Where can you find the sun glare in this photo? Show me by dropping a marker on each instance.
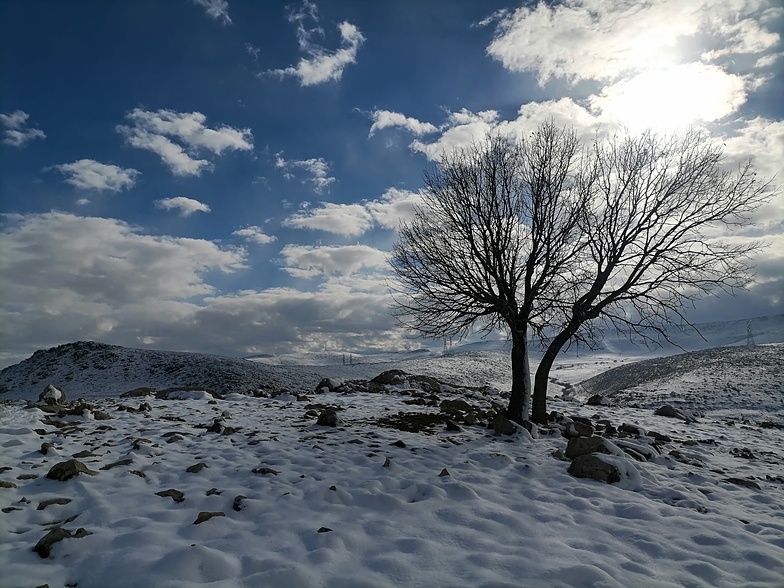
(672, 98)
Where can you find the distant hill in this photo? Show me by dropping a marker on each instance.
(89, 369)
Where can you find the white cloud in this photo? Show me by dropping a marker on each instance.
(216, 9)
(349, 220)
(88, 174)
(187, 206)
(383, 119)
(320, 65)
(306, 261)
(316, 170)
(597, 40)
(16, 132)
(254, 234)
(461, 129)
(178, 136)
(394, 206)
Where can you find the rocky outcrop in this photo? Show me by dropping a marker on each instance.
(592, 466)
(68, 469)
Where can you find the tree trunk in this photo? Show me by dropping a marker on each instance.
(520, 398)
(539, 408)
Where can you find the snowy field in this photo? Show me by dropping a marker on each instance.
(365, 504)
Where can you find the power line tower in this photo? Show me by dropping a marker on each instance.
(749, 335)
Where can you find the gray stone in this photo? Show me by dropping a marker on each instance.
(578, 429)
(328, 418)
(175, 495)
(206, 516)
(66, 470)
(237, 505)
(503, 426)
(593, 467)
(596, 400)
(196, 468)
(44, 545)
(52, 395)
(578, 446)
(675, 413)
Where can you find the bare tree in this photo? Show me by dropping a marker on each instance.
(491, 245)
(655, 212)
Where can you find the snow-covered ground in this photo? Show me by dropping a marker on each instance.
(366, 504)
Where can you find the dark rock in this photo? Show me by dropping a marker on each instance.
(329, 384)
(44, 503)
(27, 476)
(596, 400)
(503, 426)
(196, 468)
(324, 530)
(121, 462)
(399, 443)
(675, 413)
(52, 395)
(593, 467)
(44, 546)
(744, 482)
(81, 454)
(390, 377)
(387, 463)
(206, 516)
(452, 426)
(237, 504)
(743, 452)
(578, 446)
(456, 406)
(628, 429)
(45, 447)
(9, 485)
(214, 492)
(137, 473)
(578, 429)
(99, 415)
(328, 418)
(66, 470)
(658, 437)
(175, 495)
(264, 471)
(443, 473)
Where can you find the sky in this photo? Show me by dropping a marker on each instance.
(227, 176)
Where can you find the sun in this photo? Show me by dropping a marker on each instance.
(671, 98)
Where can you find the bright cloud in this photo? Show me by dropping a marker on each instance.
(88, 174)
(393, 207)
(176, 137)
(383, 119)
(305, 261)
(316, 171)
(16, 131)
(320, 65)
(186, 206)
(254, 234)
(216, 9)
(349, 220)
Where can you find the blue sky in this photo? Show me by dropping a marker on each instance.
(227, 176)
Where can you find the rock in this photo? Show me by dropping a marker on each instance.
(596, 400)
(214, 492)
(9, 485)
(390, 377)
(631, 429)
(237, 505)
(328, 418)
(328, 385)
(675, 413)
(593, 467)
(443, 473)
(66, 470)
(456, 406)
(80, 455)
(44, 503)
(175, 495)
(503, 426)
(44, 545)
(196, 468)
(206, 516)
(46, 446)
(744, 482)
(452, 425)
(52, 395)
(399, 443)
(658, 437)
(121, 462)
(743, 452)
(578, 429)
(387, 463)
(324, 530)
(265, 471)
(578, 446)
(559, 454)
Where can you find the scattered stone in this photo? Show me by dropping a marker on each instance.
(452, 426)
(121, 462)
(456, 406)
(357, 442)
(214, 492)
(743, 452)
(503, 426)
(559, 454)
(265, 471)
(206, 516)
(443, 473)
(45, 447)
(44, 503)
(66, 470)
(82, 454)
(44, 546)
(174, 439)
(578, 446)
(328, 385)
(596, 400)
(328, 418)
(658, 437)
(387, 463)
(196, 468)
(578, 429)
(237, 505)
(4, 484)
(743, 482)
(399, 443)
(675, 413)
(27, 476)
(52, 395)
(324, 530)
(593, 467)
(137, 473)
(175, 495)
(8, 509)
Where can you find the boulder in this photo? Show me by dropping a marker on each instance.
(328, 418)
(578, 429)
(503, 426)
(206, 516)
(328, 385)
(675, 413)
(596, 400)
(578, 446)
(592, 466)
(390, 377)
(52, 395)
(66, 470)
